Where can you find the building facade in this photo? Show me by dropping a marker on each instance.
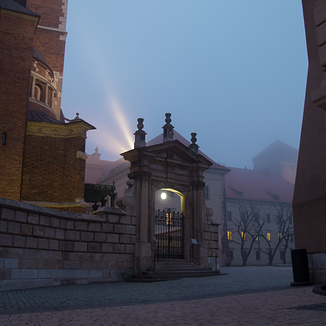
(309, 201)
(184, 193)
(259, 208)
(42, 153)
(259, 218)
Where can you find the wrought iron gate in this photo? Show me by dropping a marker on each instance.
(169, 234)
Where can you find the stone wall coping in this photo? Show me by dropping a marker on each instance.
(110, 210)
(25, 207)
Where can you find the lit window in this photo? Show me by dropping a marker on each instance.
(269, 236)
(280, 235)
(244, 235)
(229, 235)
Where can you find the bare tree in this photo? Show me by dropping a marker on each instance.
(248, 228)
(281, 238)
(285, 224)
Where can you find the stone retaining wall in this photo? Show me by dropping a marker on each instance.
(43, 247)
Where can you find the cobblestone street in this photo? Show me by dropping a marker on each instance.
(250, 295)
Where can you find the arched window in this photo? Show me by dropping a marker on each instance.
(50, 96)
(38, 92)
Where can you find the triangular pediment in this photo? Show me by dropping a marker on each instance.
(175, 151)
(171, 160)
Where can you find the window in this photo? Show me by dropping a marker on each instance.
(231, 254)
(206, 193)
(257, 255)
(268, 218)
(244, 235)
(269, 236)
(37, 92)
(256, 217)
(229, 215)
(50, 96)
(280, 235)
(281, 254)
(230, 235)
(243, 216)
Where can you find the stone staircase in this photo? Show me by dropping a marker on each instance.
(173, 269)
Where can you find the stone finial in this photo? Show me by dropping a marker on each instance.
(168, 128)
(140, 134)
(140, 124)
(96, 154)
(193, 146)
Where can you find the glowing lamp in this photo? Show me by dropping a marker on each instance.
(163, 195)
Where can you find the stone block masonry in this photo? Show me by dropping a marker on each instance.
(45, 247)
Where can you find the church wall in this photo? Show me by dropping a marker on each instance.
(50, 39)
(16, 39)
(53, 172)
(45, 247)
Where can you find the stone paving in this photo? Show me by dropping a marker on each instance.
(246, 295)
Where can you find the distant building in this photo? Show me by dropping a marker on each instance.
(259, 217)
(259, 208)
(42, 159)
(278, 159)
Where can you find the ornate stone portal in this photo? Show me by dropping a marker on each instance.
(169, 165)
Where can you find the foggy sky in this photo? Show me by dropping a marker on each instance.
(234, 72)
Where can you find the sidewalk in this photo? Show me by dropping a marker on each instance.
(251, 295)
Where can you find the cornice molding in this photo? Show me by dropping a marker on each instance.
(78, 203)
(52, 29)
(68, 130)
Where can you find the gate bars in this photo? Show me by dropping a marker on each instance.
(169, 234)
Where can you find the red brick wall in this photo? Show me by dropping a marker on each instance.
(51, 43)
(52, 172)
(16, 39)
(41, 108)
(50, 11)
(48, 41)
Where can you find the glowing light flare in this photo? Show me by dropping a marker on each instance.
(106, 141)
(122, 121)
(163, 195)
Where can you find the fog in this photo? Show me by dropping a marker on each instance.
(234, 72)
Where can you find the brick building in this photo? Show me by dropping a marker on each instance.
(42, 155)
(309, 200)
